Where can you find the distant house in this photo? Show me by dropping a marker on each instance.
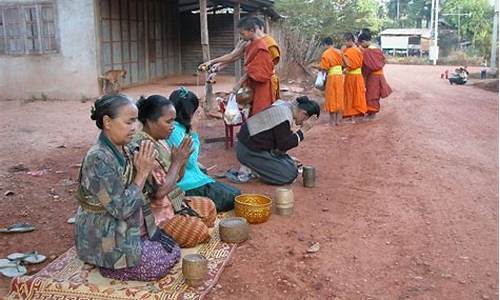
(58, 48)
(407, 41)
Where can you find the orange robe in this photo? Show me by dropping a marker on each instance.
(275, 52)
(259, 68)
(376, 85)
(331, 62)
(354, 85)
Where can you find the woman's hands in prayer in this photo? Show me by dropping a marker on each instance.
(144, 160)
(179, 157)
(181, 154)
(309, 123)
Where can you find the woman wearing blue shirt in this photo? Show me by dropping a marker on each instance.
(195, 182)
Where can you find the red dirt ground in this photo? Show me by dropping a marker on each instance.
(405, 207)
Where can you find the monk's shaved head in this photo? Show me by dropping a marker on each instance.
(250, 23)
(349, 37)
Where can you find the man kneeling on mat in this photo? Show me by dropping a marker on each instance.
(266, 137)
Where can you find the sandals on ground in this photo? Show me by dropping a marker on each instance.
(17, 228)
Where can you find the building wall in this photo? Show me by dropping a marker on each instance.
(147, 50)
(221, 40)
(70, 74)
(394, 42)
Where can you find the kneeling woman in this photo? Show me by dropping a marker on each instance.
(266, 137)
(195, 182)
(115, 229)
(186, 219)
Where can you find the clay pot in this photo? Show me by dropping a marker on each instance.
(309, 176)
(234, 230)
(194, 269)
(284, 201)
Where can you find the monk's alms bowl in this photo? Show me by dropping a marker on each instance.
(254, 208)
(194, 269)
(244, 96)
(234, 230)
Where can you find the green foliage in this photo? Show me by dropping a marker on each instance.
(310, 20)
(330, 17)
(476, 27)
(412, 13)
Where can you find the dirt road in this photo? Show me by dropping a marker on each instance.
(405, 206)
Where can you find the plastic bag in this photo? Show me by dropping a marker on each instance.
(232, 114)
(320, 81)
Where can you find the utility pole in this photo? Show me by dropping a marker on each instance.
(494, 41)
(435, 43)
(432, 14)
(397, 10)
(459, 39)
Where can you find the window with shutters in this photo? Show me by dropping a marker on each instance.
(28, 29)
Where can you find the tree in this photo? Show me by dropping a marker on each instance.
(475, 27)
(308, 21)
(329, 17)
(412, 13)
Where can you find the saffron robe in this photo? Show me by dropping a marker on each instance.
(376, 85)
(259, 68)
(275, 52)
(354, 84)
(331, 63)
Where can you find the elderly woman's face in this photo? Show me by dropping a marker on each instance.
(121, 129)
(301, 117)
(162, 128)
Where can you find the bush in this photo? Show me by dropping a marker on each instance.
(408, 60)
(460, 58)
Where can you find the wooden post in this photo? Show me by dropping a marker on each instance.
(146, 38)
(206, 52)
(236, 18)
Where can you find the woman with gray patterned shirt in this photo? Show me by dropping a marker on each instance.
(115, 229)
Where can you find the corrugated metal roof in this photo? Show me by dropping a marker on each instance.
(265, 6)
(424, 32)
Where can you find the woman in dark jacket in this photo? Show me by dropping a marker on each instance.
(266, 137)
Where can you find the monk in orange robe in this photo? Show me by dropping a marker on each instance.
(223, 61)
(275, 52)
(354, 84)
(373, 64)
(331, 63)
(259, 67)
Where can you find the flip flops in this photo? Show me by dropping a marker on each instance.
(71, 220)
(12, 269)
(17, 228)
(13, 266)
(232, 175)
(29, 257)
(236, 177)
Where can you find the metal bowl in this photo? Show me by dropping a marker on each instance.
(233, 230)
(244, 95)
(194, 269)
(254, 208)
